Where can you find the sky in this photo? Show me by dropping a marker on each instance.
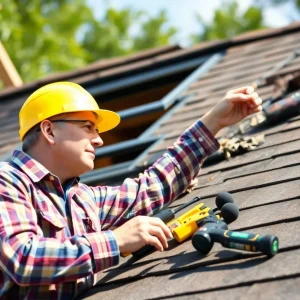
(181, 13)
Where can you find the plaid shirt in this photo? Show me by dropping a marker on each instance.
(54, 239)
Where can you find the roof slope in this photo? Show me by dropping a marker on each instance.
(264, 183)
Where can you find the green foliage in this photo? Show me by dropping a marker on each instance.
(109, 38)
(229, 22)
(43, 36)
(40, 36)
(148, 38)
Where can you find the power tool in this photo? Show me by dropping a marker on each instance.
(213, 229)
(208, 225)
(184, 226)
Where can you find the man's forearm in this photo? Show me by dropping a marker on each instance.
(209, 120)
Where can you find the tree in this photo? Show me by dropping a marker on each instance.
(229, 22)
(111, 37)
(148, 37)
(40, 36)
(44, 36)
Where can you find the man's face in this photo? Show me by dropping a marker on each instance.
(76, 142)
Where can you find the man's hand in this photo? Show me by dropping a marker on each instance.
(141, 231)
(236, 105)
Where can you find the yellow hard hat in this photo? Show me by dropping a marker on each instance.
(62, 97)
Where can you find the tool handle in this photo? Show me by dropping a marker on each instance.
(166, 215)
(267, 244)
(143, 251)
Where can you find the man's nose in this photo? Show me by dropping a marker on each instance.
(97, 141)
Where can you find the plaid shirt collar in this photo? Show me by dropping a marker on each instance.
(34, 170)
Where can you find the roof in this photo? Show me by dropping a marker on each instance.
(264, 184)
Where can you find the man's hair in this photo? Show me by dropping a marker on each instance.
(31, 138)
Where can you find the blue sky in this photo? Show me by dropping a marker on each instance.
(181, 13)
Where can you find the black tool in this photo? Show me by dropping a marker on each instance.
(283, 109)
(213, 229)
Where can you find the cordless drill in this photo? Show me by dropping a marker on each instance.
(213, 229)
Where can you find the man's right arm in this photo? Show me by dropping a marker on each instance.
(29, 258)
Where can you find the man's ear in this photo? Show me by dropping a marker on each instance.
(47, 131)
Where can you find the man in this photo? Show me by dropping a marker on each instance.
(55, 232)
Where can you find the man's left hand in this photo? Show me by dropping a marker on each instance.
(234, 107)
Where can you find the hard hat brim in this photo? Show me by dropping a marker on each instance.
(107, 120)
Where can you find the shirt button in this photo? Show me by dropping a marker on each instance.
(200, 139)
(51, 178)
